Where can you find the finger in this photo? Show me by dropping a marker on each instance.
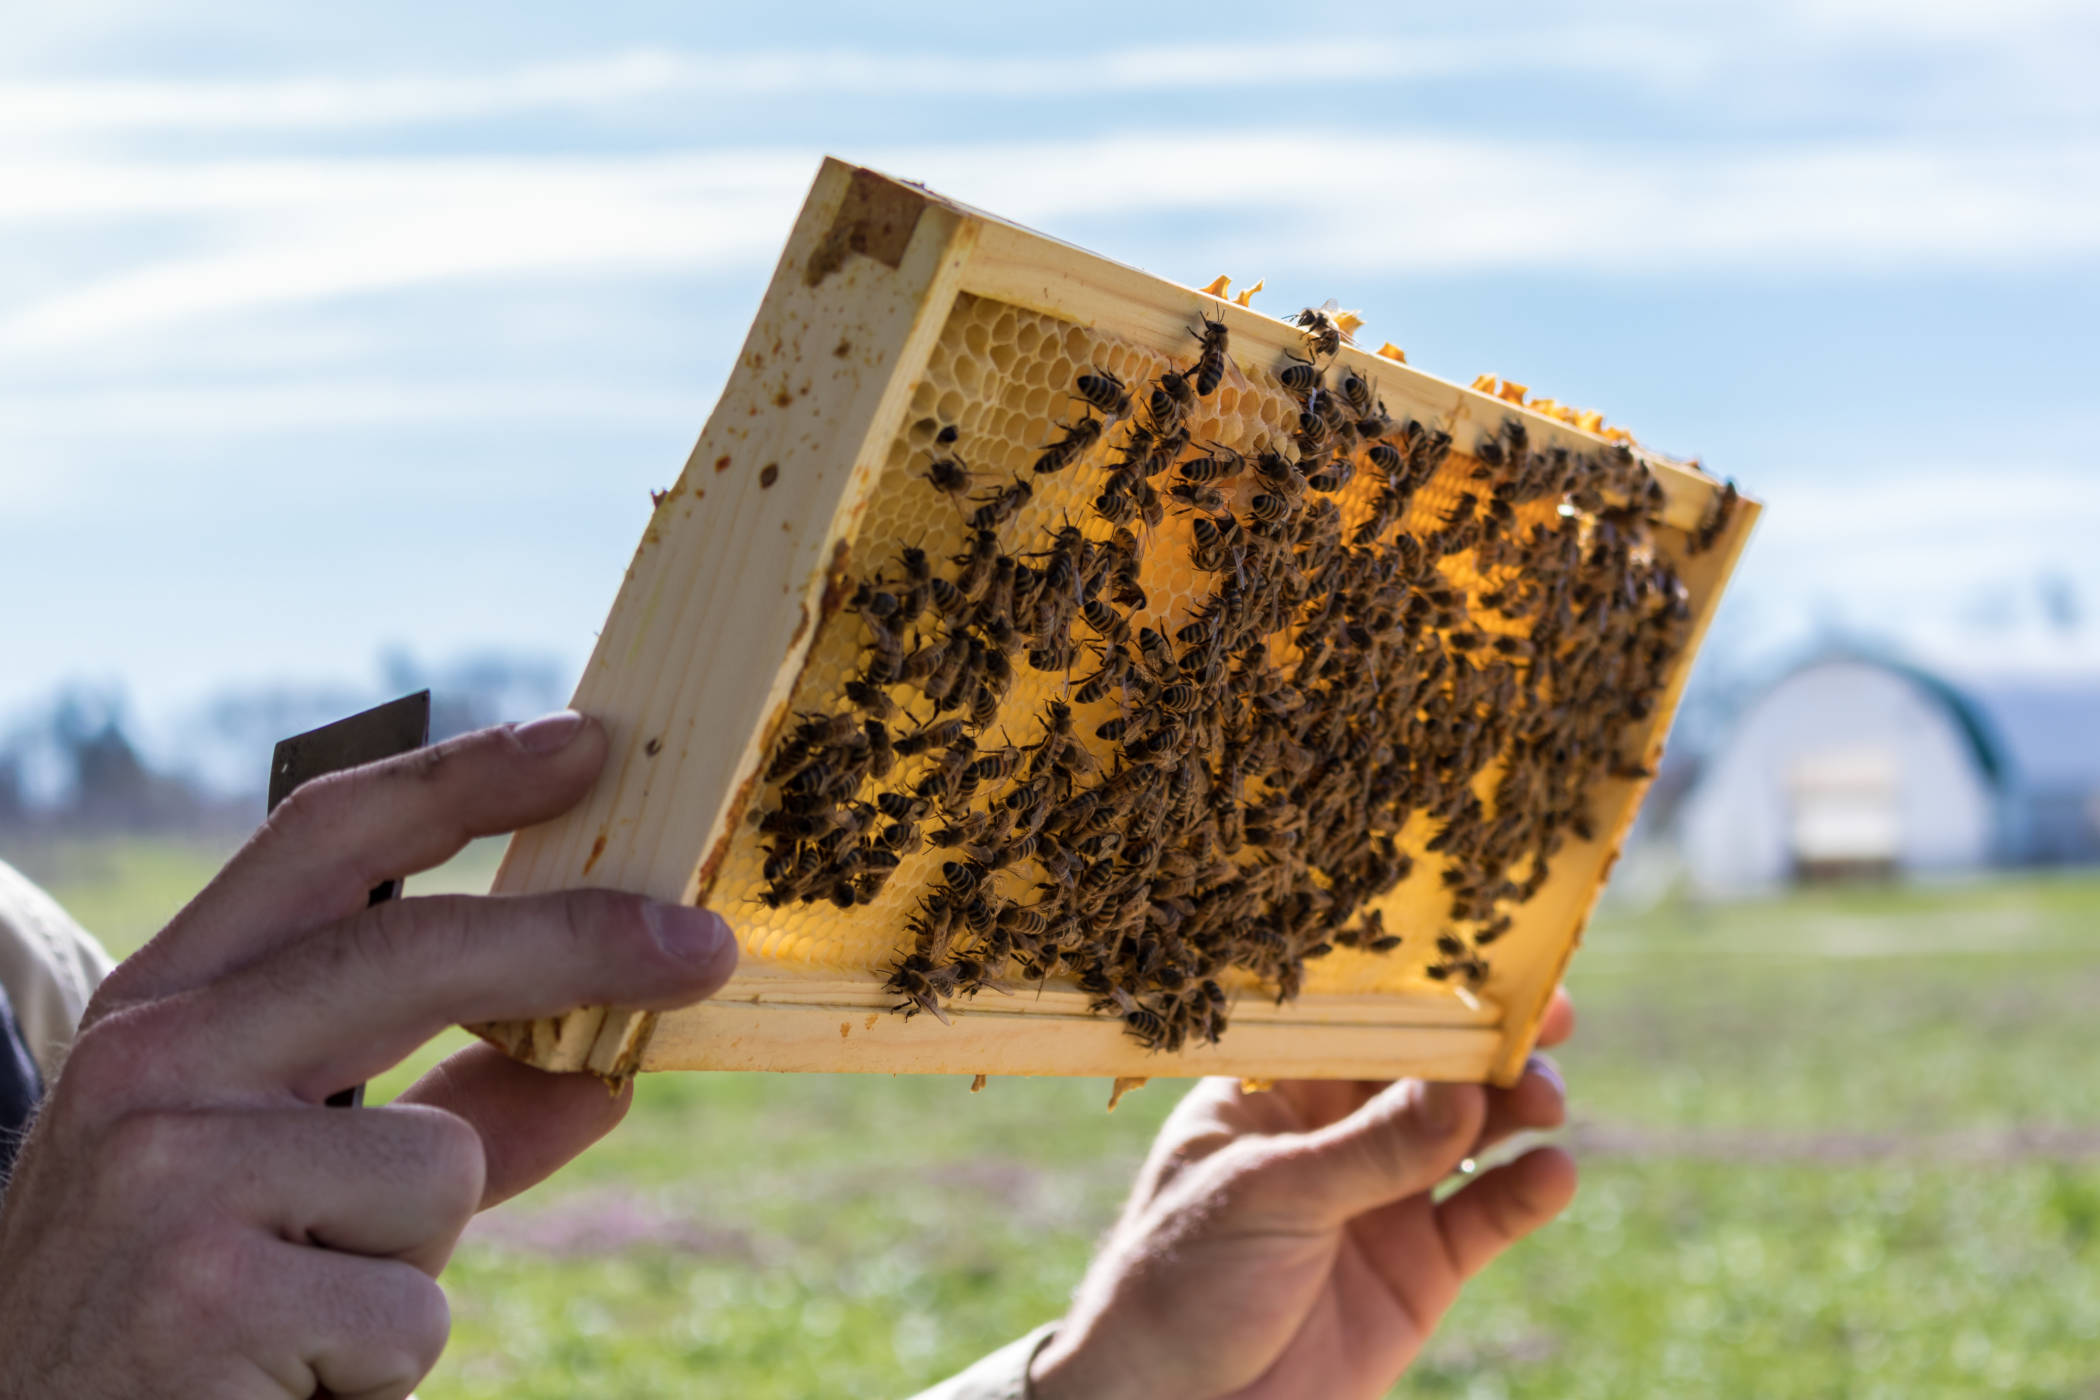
(393, 1182)
(1559, 1021)
(530, 1122)
(1502, 1206)
(1319, 1102)
(1537, 1102)
(1403, 1141)
(326, 846)
(346, 1002)
(356, 1328)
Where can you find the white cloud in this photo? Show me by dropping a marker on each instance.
(300, 232)
(224, 412)
(325, 103)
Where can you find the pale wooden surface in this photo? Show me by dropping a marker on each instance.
(770, 1019)
(672, 653)
(689, 689)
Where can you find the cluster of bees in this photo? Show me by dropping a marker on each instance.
(1229, 788)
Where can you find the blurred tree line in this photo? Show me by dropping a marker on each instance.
(82, 763)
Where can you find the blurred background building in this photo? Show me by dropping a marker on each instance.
(1858, 764)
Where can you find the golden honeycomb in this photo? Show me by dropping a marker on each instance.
(1000, 385)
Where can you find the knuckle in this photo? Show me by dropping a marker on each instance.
(432, 931)
(453, 1162)
(205, 1277)
(111, 1057)
(403, 1330)
(317, 808)
(426, 1327)
(143, 1154)
(390, 933)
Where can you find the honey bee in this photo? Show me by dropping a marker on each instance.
(1271, 509)
(1198, 497)
(1166, 448)
(1357, 391)
(882, 757)
(1147, 503)
(977, 565)
(995, 765)
(1170, 400)
(1106, 621)
(1280, 474)
(1115, 665)
(1715, 520)
(871, 698)
(962, 877)
(1322, 335)
(912, 979)
(1057, 654)
(1067, 449)
(1300, 377)
(1210, 362)
(921, 662)
(949, 476)
(1105, 392)
(1155, 652)
(1115, 503)
(1332, 477)
(1211, 541)
(997, 507)
(939, 735)
(1219, 464)
(983, 706)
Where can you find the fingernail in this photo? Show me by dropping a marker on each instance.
(549, 733)
(689, 934)
(1544, 1067)
(1439, 1106)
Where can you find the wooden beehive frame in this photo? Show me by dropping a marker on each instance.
(747, 557)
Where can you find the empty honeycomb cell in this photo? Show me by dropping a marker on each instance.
(1425, 674)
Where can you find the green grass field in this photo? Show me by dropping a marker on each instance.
(1841, 1144)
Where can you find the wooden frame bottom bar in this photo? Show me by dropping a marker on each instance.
(803, 1024)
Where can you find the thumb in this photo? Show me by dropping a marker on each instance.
(1404, 1141)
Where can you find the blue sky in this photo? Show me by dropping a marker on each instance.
(327, 328)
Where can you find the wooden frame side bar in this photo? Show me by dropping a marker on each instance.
(762, 513)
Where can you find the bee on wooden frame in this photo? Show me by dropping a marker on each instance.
(1210, 360)
(1322, 335)
(1105, 391)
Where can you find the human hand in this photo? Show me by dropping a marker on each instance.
(1288, 1243)
(186, 1219)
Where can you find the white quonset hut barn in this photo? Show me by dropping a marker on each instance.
(1856, 764)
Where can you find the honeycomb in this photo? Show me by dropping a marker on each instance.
(1324, 729)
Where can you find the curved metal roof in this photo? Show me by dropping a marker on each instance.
(2023, 731)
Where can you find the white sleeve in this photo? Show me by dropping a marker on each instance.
(49, 965)
(1001, 1376)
